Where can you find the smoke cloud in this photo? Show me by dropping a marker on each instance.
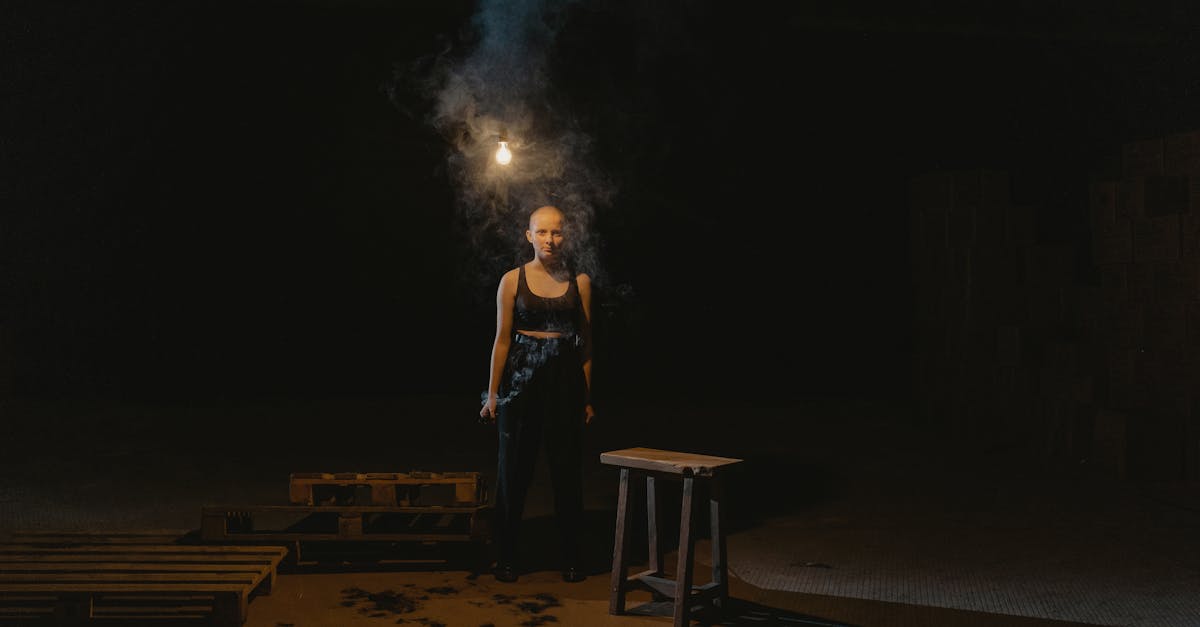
(495, 81)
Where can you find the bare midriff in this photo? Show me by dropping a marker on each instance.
(541, 334)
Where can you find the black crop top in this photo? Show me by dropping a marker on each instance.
(538, 313)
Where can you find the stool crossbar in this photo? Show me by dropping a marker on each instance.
(655, 465)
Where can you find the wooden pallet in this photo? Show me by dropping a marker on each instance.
(316, 534)
(127, 577)
(388, 489)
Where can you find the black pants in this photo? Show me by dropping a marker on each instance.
(542, 399)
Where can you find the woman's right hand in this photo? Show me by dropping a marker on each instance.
(487, 414)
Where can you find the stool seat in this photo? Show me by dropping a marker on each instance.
(666, 461)
(676, 465)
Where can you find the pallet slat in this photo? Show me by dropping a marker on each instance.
(233, 578)
(194, 567)
(154, 536)
(140, 588)
(11, 549)
(320, 522)
(385, 488)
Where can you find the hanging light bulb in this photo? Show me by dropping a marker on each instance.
(503, 154)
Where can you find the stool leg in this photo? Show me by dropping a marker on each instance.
(719, 557)
(683, 572)
(616, 598)
(654, 532)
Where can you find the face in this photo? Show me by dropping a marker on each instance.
(545, 233)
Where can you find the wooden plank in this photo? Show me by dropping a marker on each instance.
(663, 585)
(157, 536)
(139, 588)
(669, 587)
(364, 480)
(290, 536)
(415, 476)
(196, 567)
(343, 522)
(22, 598)
(85, 577)
(358, 509)
(230, 558)
(674, 462)
(190, 550)
(163, 615)
(469, 487)
(178, 599)
(137, 611)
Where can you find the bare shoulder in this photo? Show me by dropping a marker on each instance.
(508, 282)
(585, 286)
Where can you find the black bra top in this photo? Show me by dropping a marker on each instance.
(538, 313)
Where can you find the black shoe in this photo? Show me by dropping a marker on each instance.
(573, 575)
(505, 573)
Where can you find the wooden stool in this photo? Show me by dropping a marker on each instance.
(655, 464)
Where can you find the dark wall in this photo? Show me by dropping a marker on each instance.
(220, 199)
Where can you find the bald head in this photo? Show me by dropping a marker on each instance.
(547, 211)
(546, 234)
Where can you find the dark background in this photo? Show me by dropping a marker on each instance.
(210, 200)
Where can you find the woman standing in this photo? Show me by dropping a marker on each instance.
(539, 389)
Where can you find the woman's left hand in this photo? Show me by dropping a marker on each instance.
(588, 414)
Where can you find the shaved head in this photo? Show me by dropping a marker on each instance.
(547, 210)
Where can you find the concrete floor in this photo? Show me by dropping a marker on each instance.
(843, 513)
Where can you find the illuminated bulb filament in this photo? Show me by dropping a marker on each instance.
(503, 155)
